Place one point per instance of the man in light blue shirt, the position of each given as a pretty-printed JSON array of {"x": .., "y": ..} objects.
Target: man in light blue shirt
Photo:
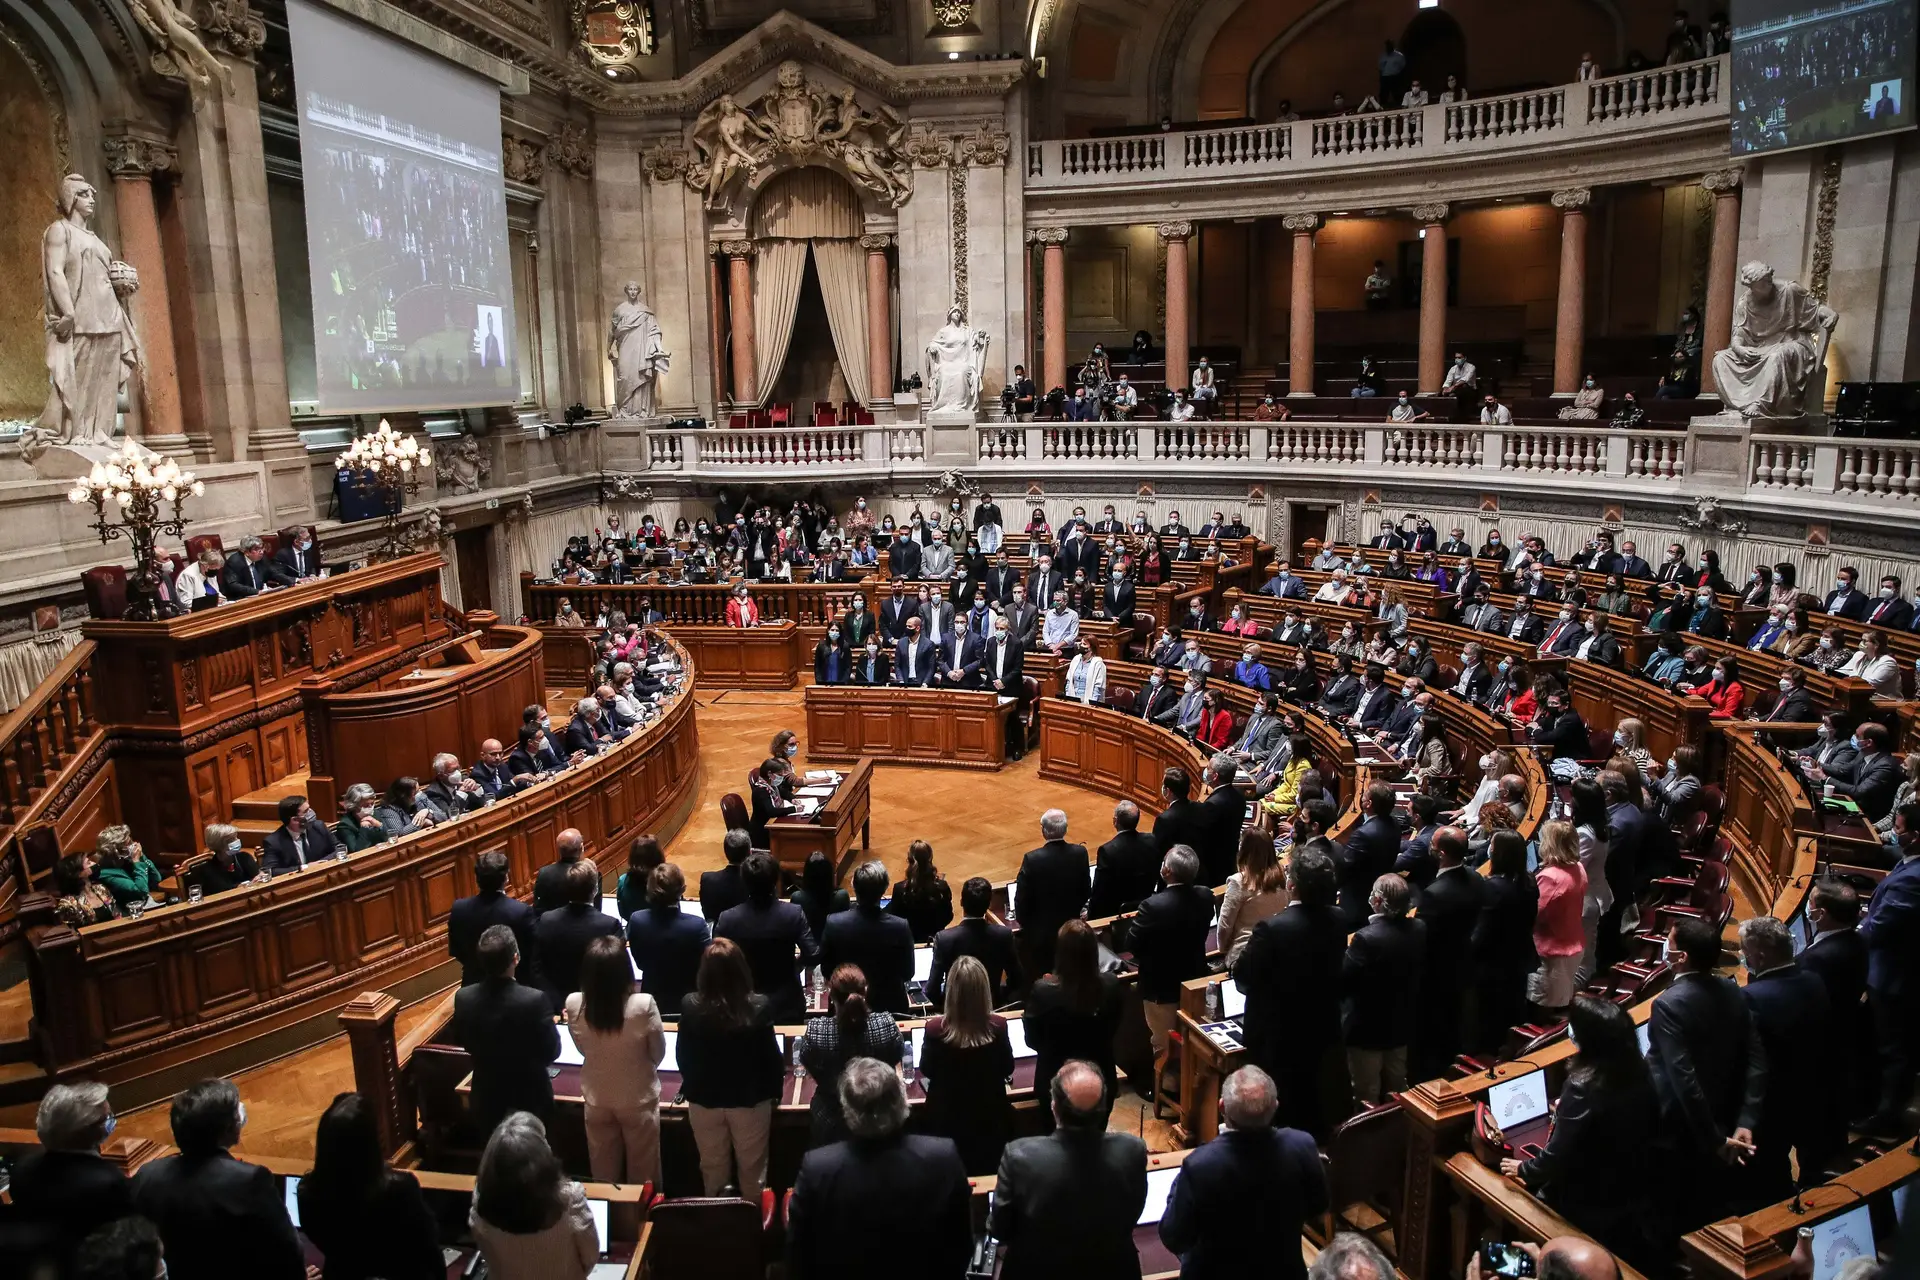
[{"x": 1062, "y": 625}]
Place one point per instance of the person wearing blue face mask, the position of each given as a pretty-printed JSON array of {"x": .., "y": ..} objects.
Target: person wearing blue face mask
[
  {"x": 66, "y": 1185},
  {"x": 228, "y": 866},
  {"x": 1871, "y": 779}
]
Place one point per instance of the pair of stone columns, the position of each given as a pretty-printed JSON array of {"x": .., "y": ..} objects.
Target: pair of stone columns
[
  {"x": 739, "y": 293},
  {"x": 1053, "y": 301}
]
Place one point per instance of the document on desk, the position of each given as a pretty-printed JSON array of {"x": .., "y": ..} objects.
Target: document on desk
[
  {"x": 814, "y": 792},
  {"x": 828, "y": 776}
]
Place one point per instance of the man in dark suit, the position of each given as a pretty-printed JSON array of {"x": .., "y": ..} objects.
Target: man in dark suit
[
  {"x": 1002, "y": 578},
  {"x": 862, "y": 1207},
  {"x": 1561, "y": 728},
  {"x": 1525, "y": 625},
  {"x": 1629, "y": 855},
  {"x": 1155, "y": 696},
  {"x": 724, "y": 889},
  {"x": 1709, "y": 1072},
  {"x": 915, "y": 660},
  {"x": 301, "y": 840},
  {"x": 1126, "y": 867},
  {"x": 508, "y": 1031},
  {"x": 1342, "y": 692},
  {"x": 1891, "y": 610},
  {"x": 1674, "y": 569},
  {"x": 903, "y": 556},
  {"x": 1223, "y": 813},
  {"x": 1023, "y": 619},
  {"x": 1502, "y": 944},
  {"x": 1891, "y": 931},
  {"x": 1239, "y": 1203},
  {"x": 492, "y": 773},
  {"x": 1117, "y": 598},
  {"x": 1872, "y": 779},
  {"x": 774, "y": 937},
  {"x": 535, "y": 757},
  {"x": 451, "y": 793},
  {"x": 561, "y": 936},
  {"x": 1846, "y": 600},
  {"x": 867, "y": 935},
  {"x": 1066, "y": 1204},
  {"x": 1475, "y": 677},
  {"x": 586, "y": 731},
  {"x": 1052, "y": 888},
  {"x": 1793, "y": 705},
  {"x": 961, "y": 655},
  {"x": 298, "y": 559},
  {"x": 1790, "y": 1010},
  {"x": 1381, "y": 981},
  {"x": 471, "y": 917},
  {"x": 895, "y": 610},
  {"x": 550, "y": 881},
  {"x": 217, "y": 1216},
  {"x": 1290, "y": 975},
  {"x": 1837, "y": 955},
  {"x": 1077, "y": 553},
  {"x": 248, "y": 572},
  {"x": 1044, "y": 581},
  {"x": 1451, "y": 907},
  {"x": 1376, "y": 701},
  {"x": 989, "y": 943},
  {"x": 1181, "y": 821},
  {"x": 65, "y": 1189},
  {"x": 1369, "y": 854},
  {"x": 1169, "y": 942}
]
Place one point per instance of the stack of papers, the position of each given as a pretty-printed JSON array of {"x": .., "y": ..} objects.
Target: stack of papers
[
  {"x": 822, "y": 775},
  {"x": 816, "y": 792}
]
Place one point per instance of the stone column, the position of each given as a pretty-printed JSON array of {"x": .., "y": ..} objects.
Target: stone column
[
  {"x": 717, "y": 334},
  {"x": 1053, "y": 305},
  {"x": 879, "y": 325},
  {"x": 740, "y": 312},
  {"x": 1722, "y": 269},
  {"x": 133, "y": 162},
  {"x": 1176, "y": 235},
  {"x": 1300, "y": 322},
  {"x": 1433, "y": 296},
  {"x": 1570, "y": 317}
]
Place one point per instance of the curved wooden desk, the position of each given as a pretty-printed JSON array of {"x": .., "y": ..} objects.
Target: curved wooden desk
[
  {"x": 209, "y": 987},
  {"x": 959, "y": 728}
]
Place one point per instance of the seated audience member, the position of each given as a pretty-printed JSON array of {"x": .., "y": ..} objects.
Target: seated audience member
[
  {"x": 851, "y": 1029},
  {"x": 367, "y": 1218},
  {"x": 66, "y": 1189},
  {"x": 1239, "y": 1202},
  {"x": 358, "y": 828},
  {"x": 666, "y": 943},
  {"x": 507, "y": 1029},
  {"x": 979, "y": 938},
  {"x": 201, "y": 578},
  {"x": 1870, "y": 779},
  {"x": 621, "y": 1041},
  {"x": 229, "y": 865},
  {"x": 80, "y": 899},
  {"x": 724, "y": 888},
  {"x": 248, "y": 572},
  {"x": 301, "y": 840},
  {"x": 922, "y": 897},
  {"x": 472, "y": 917},
  {"x": 870, "y": 939},
  {"x": 451, "y": 793},
  {"x": 217, "y": 1216},
  {"x": 400, "y": 811},
  {"x": 1592, "y": 1171},
  {"x": 1067, "y": 1203},
  {"x": 1381, "y": 978},
  {"x": 530, "y": 1220},
  {"x": 122, "y": 867},
  {"x": 966, "y": 1062},
  {"x": 773, "y": 936},
  {"x": 731, "y": 1071},
  {"x": 561, "y": 935}
]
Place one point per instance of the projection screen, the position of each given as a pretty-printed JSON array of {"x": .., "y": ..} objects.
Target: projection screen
[
  {"x": 406, "y": 222},
  {"x": 1807, "y": 73}
]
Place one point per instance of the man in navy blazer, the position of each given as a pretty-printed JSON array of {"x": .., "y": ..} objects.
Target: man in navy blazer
[
  {"x": 1846, "y": 600},
  {"x": 471, "y": 917},
  {"x": 960, "y": 657},
  {"x": 1892, "y": 934},
  {"x": 1239, "y": 1202},
  {"x": 915, "y": 660},
  {"x": 896, "y": 609},
  {"x": 975, "y": 935},
  {"x": 1837, "y": 955},
  {"x": 562, "y": 935},
  {"x": 770, "y": 933},
  {"x": 665, "y": 942},
  {"x": 1790, "y": 1009},
  {"x": 880, "y": 943},
  {"x": 1369, "y": 854},
  {"x": 1376, "y": 701}
]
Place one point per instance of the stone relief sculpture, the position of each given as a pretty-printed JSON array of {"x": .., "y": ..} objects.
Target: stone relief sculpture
[
  {"x": 953, "y": 363},
  {"x": 91, "y": 346},
  {"x": 468, "y": 466},
  {"x": 800, "y": 120},
  {"x": 178, "y": 36},
  {"x": 638, "y": 353},
  {"x": 1779, "y": 340}
]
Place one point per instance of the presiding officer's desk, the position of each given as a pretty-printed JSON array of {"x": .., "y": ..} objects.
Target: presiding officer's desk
[
  {"x": 935, "y": 726},
  {"x": 832, "y": 828},
  {"x": 197, "y": 989}
]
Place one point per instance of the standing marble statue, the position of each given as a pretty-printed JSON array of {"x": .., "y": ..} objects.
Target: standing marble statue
[
  {"x": 1779, "y": 341},
  {"x": 91, "y": 347},
  {"x": 954, "y": 361},
  {"x": 639, "y": 356}
]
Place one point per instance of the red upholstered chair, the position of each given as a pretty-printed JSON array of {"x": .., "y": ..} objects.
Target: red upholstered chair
[
  {"x": 105, "y": 587},
  {"x": 733, "y": 811},
  {"x": 863, "y": 418},
  {"x": 826, "y": 407},
  {"x": 270, "y": 542},
  {"x": 782, "y": 415},
  {"x": 737, "y": 421},
  {"x": 824, "y": 418},
  {"x": 202, "y": 540},
  {"x": 702, "y": 1238}
]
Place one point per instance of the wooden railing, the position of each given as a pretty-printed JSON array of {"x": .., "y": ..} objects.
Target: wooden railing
[{"x": 47, "y": 743}]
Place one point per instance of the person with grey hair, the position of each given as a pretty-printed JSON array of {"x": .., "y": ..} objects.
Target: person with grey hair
[
  {"x": 1798, "y": 1032},
  {"x": 358, "y": 829},
  {"x": 451, "y": 793},
  {"x": 66, "y": 1187},
  {"x": 871, "y": 939},
  {"x": 1052, "y": 888},
  {"x": 530, "y": 1220},
  {"x": 1066, "y": 1204},
  {"x": 1238, "y": 1203},
  {"x": 1125, "y": 867},
  {"x": 218, "y": 1216},
  {"x": 1169, "y": 944},
  {"x": 1351, "y": 1256},
  {"x": 248, "y": 571},
  {"x": 228, "y": 865},
  {"x": 1380, "y": 976},
  {"x": 883, "y": 1198},
  {"x": 1222, "y": 815}
]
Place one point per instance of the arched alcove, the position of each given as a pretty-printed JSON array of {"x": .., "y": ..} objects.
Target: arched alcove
[
  {"x": 809, "y": 289},
  {"x": 1436, "y": 48}
]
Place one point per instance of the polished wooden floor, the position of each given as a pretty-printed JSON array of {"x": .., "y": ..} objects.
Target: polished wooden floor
[{"x": 978, "y": 824}]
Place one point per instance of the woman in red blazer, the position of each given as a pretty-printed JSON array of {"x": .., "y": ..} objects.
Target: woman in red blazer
[
  {"x": 1724, "y": 693},
  {"x": 741, "y": 610},
  {"x": 1216, "y": 722}
]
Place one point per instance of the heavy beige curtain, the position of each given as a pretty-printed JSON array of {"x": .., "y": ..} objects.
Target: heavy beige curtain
[
  {"x": 25, "y": 664},
  {"x": 843, "y": 287},
  {"x": 807, "y": 204},
  {"x": 777, "y": 274}
]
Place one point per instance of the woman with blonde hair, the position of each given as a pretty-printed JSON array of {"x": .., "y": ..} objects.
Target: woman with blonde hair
[
  {"x": 1559, "y": 936},
  {"x": 966, "y": 1062},
  {"x": 1393, "y": 611},
  {"x": 1629, "y": 740},
  {"x": 1254, "y": 892}
]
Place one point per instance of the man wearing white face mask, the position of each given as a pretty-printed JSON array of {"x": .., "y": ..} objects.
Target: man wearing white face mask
[
  {"x": 1117, "y": 597},
  {"x": 1563, "y": 637},
  {"x": 452, "y": 792}
]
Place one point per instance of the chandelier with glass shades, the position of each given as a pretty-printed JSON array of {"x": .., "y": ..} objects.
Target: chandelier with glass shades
[
  {"x": 390, "y": 466},
  {"x": 140, "y": 488}
]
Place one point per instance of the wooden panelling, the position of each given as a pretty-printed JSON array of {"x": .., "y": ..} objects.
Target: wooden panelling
[
  {"x": 955, "y": 727},
  {"x": 764, "y": 657}
]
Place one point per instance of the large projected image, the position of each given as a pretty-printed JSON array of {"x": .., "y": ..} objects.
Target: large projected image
[
  {"x": 1807, "y": 74},
  {"x": 406, "y": 222}
]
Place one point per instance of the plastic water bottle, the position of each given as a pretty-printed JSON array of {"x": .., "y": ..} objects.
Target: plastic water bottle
[
  {"x": 906, "y": 1058},
  {"x": 1216, "y": 1002}
]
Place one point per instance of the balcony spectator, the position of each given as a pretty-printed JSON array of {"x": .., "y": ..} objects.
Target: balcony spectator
[
  {"x": 1415, "y": 96},
  {"x": 1454, "y": 92},
  {"x": 1393, "y": 70},
  {"x": 1588, "y": 68},
  {"x": 1284, "y": 113},
  {"x": 1404, "y": 411},
  {"x": 1369, "y": 382},
  {"x": 1586, "y": 403}
]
